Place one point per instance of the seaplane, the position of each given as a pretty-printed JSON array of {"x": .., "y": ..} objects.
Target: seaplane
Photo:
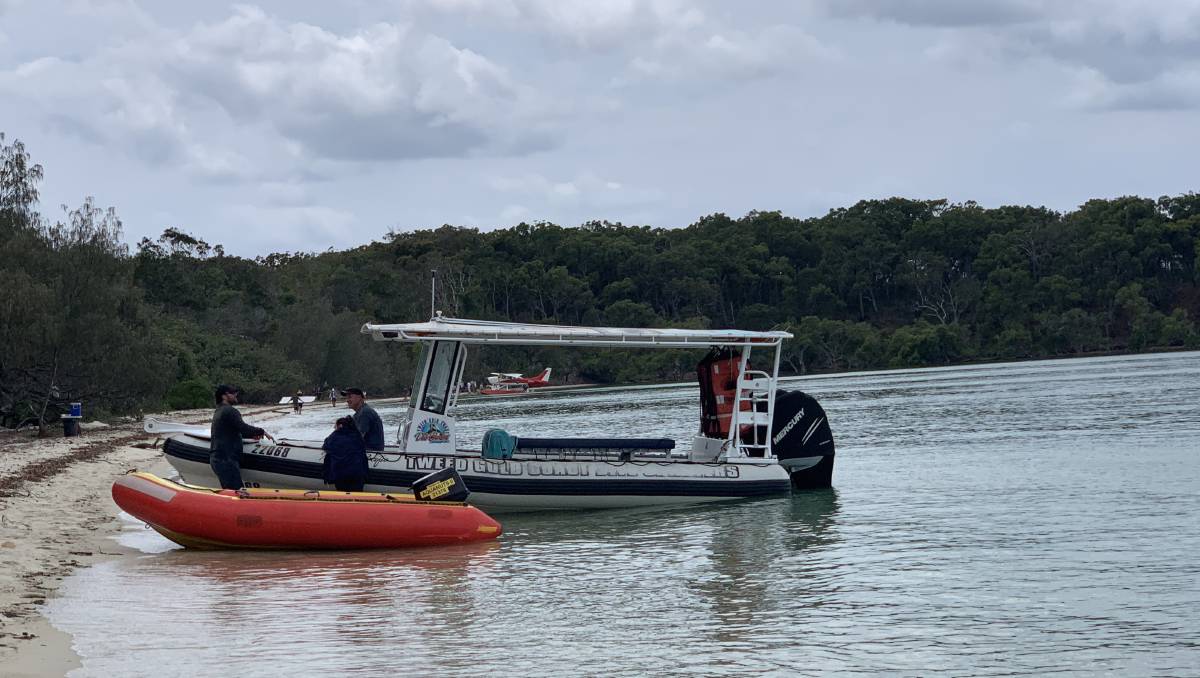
[
  {"x": 513, "y": 383},
  {"x": 538, "y": 381},
  {"x": 753, "y": 439}
]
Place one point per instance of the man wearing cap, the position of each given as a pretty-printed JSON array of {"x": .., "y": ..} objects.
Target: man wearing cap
[
  {"x": 365, "y": 418},
  {"x": 225, "y": 438}
]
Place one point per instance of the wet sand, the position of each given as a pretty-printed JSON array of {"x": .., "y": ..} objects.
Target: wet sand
[{"x": 57, "y": 514}]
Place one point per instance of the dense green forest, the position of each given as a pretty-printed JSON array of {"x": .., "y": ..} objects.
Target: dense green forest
[{"x": 883, "y": 283}]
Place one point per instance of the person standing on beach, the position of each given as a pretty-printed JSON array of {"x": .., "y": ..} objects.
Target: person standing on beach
[
  {"x": 365, "y": 418},
  {"x": 225, "y": 438}
]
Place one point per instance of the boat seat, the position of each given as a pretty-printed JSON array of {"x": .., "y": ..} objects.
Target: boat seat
[
  {"x": 524, "y": 443},
  {"x": 592, "y": 449}
]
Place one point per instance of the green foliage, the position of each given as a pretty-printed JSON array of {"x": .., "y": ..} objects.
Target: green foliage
[
  {"x": 923, "y": 343},
  {"x": 189, "y": 394},
  {"x": 881, "y": 283}
]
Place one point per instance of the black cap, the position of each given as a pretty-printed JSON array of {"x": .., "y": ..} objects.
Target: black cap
[
  {"x": 222, "y": 390},
  {"x": 353, "y": 391}
]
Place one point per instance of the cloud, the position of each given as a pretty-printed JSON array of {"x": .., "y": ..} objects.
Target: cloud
[
  {"x": 1170, "y": 91},
  {"x": 1142, "y": 54},
  {"x": 727, "y": 54},
  {"x": 658, "y": 39},
  {"x": 386, "y": 92},
  {"x": 90, "y": 100},
  {"x": 512, "y": 213},
  {"x": 236, "y": 98},
  {"x": 586, "y": 189},
  {"x": 944, "y": 13},
  {"x": 293, "y": 228},
  {"x": 599, "y": 25}
]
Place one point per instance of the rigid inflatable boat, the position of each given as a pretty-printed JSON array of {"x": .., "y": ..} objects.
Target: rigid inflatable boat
[
  {"x": 754, "y": 439},
  {"x": 198, "y": 517}
]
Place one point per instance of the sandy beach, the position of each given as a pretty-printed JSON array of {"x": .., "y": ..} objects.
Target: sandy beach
[{"x": 56, "y": 515}]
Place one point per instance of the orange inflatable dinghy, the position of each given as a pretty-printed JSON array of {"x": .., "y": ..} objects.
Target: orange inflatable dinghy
[{"x": 198, "y": 517}]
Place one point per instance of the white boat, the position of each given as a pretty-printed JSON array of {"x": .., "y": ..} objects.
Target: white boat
[{"x": 753, "y": 440}]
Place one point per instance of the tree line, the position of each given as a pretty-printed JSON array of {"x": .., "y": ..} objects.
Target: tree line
[{"x": 882, "y": 283}]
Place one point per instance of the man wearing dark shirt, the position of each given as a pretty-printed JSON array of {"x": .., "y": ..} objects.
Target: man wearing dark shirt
[
  {"x": 365, "y": 418},
  {"x": 225, "y": 438}
]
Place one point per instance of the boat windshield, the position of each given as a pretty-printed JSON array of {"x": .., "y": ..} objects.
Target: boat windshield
[
  {"x": 441, "y": 369},
  {"x": 422, "y": 364}
]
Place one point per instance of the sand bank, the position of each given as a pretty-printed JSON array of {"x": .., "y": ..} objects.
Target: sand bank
[{"x": 57, "y": 514}]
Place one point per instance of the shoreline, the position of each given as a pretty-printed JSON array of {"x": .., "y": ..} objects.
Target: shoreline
[{"x": 58, "y": 516}]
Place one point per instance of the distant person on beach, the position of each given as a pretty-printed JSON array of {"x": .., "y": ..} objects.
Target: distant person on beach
[
  {"x": 225, "y": 438},
  {"x": 332, "y": 397},
  {"x": 345, "y": 464},
  {"x": 297, "y": 402},
  {"x": 366, "y": 418}
]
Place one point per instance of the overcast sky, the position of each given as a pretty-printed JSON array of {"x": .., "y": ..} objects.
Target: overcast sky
[{"x": 300, "y": 125}]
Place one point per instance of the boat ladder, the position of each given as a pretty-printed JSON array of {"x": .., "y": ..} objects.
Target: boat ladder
[{"x": 754, "y": 387}]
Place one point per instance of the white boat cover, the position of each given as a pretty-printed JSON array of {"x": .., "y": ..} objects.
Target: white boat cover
[{"x": 492, "y": 332}]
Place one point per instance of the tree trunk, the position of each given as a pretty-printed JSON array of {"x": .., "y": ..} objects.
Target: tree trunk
[{"x": 42, "y": 433}]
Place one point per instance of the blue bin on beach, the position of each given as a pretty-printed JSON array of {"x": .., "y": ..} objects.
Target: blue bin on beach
[{"x": 71, "y": 420}]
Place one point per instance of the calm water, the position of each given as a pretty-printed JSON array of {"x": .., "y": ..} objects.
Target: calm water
[{"x": 1028, "y": 518}]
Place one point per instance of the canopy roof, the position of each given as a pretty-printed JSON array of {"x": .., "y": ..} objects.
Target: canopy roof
[{"x": 491, "y": 332}]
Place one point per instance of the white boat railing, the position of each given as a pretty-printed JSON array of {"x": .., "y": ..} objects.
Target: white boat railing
[{"x": 754, "y": 390}]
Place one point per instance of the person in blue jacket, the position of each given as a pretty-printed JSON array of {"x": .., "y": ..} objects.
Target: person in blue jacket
[{"x": 345, "y": 464}]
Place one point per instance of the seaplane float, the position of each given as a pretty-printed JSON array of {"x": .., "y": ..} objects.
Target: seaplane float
[{"x": 754, "y": 439}]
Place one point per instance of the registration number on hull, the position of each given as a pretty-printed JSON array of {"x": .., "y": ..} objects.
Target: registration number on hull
[{"x": 272, "y": 451}]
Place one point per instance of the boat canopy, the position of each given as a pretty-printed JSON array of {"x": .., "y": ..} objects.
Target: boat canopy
[{"x": 492, "y": 332}]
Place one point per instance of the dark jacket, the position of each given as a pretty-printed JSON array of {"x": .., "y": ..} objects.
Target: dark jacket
[
  {"x": 345, "y": 455},
  {"x": 370, "y": 426},
  {"x": 227, "y": 432}
]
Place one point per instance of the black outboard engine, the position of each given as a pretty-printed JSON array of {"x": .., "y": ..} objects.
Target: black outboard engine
[{"x": 802, "y": 440}]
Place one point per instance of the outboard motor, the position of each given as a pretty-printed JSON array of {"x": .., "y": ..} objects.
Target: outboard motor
[{"x": 802, "y": 440}]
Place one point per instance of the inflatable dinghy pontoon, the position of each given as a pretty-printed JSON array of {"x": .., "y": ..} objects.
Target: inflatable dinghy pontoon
[{"x": 198, "y": 517}]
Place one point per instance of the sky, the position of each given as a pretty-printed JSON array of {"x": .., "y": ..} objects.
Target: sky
[{"x": 301, "y": 126}]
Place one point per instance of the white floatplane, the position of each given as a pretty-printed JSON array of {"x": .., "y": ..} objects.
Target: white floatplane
[
  {"x": 754, "y": 439},
  {"x": 541, "y": 379}
]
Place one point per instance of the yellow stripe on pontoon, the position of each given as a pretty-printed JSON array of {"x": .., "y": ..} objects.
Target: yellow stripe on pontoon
[{"x": 296, "y": 495}]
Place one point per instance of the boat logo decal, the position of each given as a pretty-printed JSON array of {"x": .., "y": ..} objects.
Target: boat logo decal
[
  {"x": 788, "y": 427},
  {"x": 435, "y": 463},
  {"x": 433, "y": 430}
]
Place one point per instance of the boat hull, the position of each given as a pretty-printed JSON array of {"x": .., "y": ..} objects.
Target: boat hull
[
  {"x": 198, "y": 517},
  {"x": 502, "y": 485}
]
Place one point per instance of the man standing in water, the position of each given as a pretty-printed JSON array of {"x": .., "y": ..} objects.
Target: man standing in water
[
  {"x": 225, "y": 438},
  {"x": 365, "y": 418}
]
